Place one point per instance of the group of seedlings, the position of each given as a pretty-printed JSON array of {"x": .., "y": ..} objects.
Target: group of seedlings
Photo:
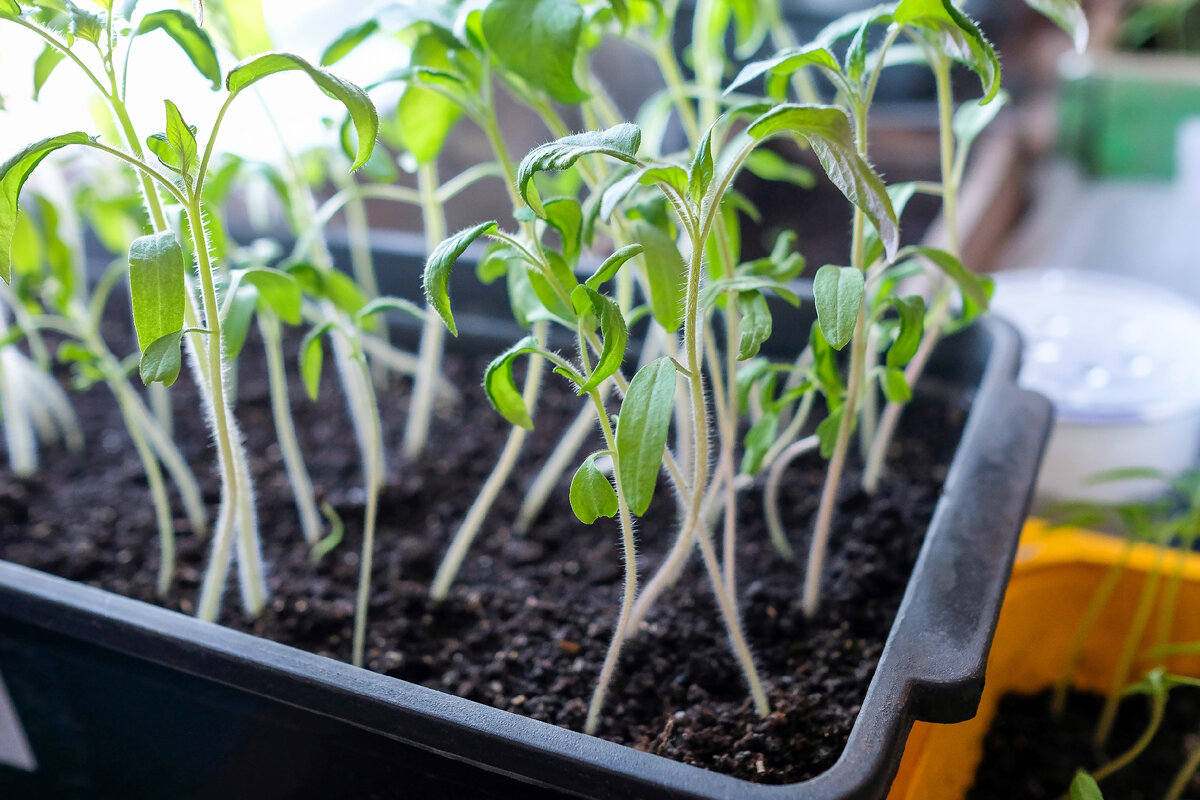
[{"x": 627, "y": 236}]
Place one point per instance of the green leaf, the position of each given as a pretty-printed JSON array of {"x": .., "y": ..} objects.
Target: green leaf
[
  {"x": 437, "y": 270},
  {"x": 356, "y": 101},
  {"x": 382, "y": 305},
  {"x": 972, "y": 286},
  {"x": 190, "y": 37},
  {"x": 620, "y": 142},
  {"x": 592, "y": 493},
  {"x": 825, "y": 369},
  {"x": 237, "y": 314},
  {"x": 13, "y": 174},
  {"x": 963, "y": 40},
  {"x": 162, "y": 360},
  {"x": 565, "y": 216},
  {"x": 755, "y": 327},
  {"x": 1084, "y": 787},
  {"x": 278, "y": 291},
  {"x": 830, "y": 134},
  {"x": 770, "y": 166},
  {"x": 612, "y": 265},
  {"x": 912, "y": 329},
  {"x": 700, "y": 173},
  {"x": 501, "y": 387},
  {"x": 9, "y": 8},
  {"x": 642, "y": 428},
  {"x": 759, "y": 439},
  {"x": 241, "y": 24},
  {"x": 827, "y": 431},
  {"x": 538, "y": 40},
  {"x": 785, "y": 62},
  {"x": 670, "y": 174},
  {"x": 745, "y": 283},
  {"x": 182, "y": 142},
  {"x": 84, "y": 24},
  {"x": 895, "y": 386},
  {"x": 1068, "y": 15},
  {"x": 612, "y": 331},
  {"x": 838, "y": 295},
  {"x": 425, "y": 116},
  {"x": 344, "y": 44},
  {"x": 46, "y": 62},
  {"x": 157, "y": 286},
  {"x": 312, "y": 357},
  {"x": 972, "y": 118},
  {"x": 663, "y": 272}
]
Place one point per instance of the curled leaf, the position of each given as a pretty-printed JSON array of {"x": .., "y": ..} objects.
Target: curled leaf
[
  {"x": 620, "y": 142},
  {"x": 437, "y": 270},
  {"x": 592, "y": 493}
]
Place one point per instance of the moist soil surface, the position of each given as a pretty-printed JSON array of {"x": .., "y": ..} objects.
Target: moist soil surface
[
  {"x": 530, "y": 617},
  {"x": 1029, "y": 754}
]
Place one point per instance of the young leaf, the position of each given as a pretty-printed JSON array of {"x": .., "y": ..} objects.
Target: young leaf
[
  {"x": 501, "y": 387},
  {"x": 755, "y": 325},
  {"x": 825, "y": 369},
  {"x": 538, "y": 41},
  {"x": 84, "y": 24},
  {"x": 565, "y": 216},
  {"x": 182, "y": 142},
  {"x": 700, "y": 173},
  {"x": 827, "y": 431},
  {"x": 1068, "y": 15},
  {"x": 828, "y": 131},
  {"x": 612, "y": 264},
  {"x": 9, "y": 8},
  {"x": 157, "y": 286},
  {"x": 193, "y": 39},
  {"x": 312, "y": 357},
  {"x": 13, "y": 174},
  {"x": 437, "y": 270},
  {"x": 382, "y": 305},
  {"x": 838, "y": 295},
  {"x": 1084, "y": 787},
  {"x": 424, "y": 116},
  {"x": 642, "y": 429},
  {"x": 759, "y": 439},
  {"x": 620, "y": 142},
  {"x": 592, "y": 493},
  {"x": 237, "y": 314},
  {"x": 745, "y": 283},
  {"x": 344, "y": 44},
  {"x": 785, "y": 63},
  {"x": 612, "y": 331},
  {"x": 161, "y": 360},
  {"x": 770, "y": 166},
  {"x": 46, "y": 62},
  {"x": 965, "y": 42},
  {"x": 971, "y": 285},
  {"x": 357, "y": 102},
  {"x": 971, "y": 119},
  {"x": 664, "y": 273}
]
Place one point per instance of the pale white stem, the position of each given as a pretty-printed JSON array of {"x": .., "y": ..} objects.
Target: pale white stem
[{"x": 771, "y": 493}]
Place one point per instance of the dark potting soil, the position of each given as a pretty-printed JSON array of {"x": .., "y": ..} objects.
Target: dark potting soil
[
  {"x": 530, "y": 617},
  {"x": 1029, "y": 754}
]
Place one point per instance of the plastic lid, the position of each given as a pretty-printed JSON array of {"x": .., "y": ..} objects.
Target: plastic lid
[{"x": 1105, "y": 349}]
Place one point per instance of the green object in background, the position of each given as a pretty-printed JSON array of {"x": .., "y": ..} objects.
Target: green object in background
[{"x": 1118, "y": 114}]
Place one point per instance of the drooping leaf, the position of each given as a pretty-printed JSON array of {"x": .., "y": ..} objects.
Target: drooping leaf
[
  {"x": 50, "y": 58},
  {"x": 356, "y": 101},
  {"x": 278, "y": 291},
  {"x": 501, "y": 387},
  {"x": 912, "y": 328},
  {"x": 755, "y": 327},
  {"x": 972, "y": 286},
  {"x": 538, "y": 41},
  {"x": 157, "y": 286},
  {"x": 162, "y": 360},
  {"x": 13, "y": 174},
  {"x": 961, "y": 36},
  {"x": 1068, "y": 15},
  {"x": 663, "y": 273},
  {"x": 238, "y": 313},
  {"x": 972, "y": 118},
  {"x": 759, "y": 439},
  {"x": 620, "y": 142},
  {"x": 831, "y": 136},
  {"x": 344, "y": 44},
  {"x": 642, "y": 429},
  {"x": 383, "y": 305},
  {"x": 784, "y": 63},
  {"x": 745, "y": 283},
  {"x": 312, "y": 357},
  {"x": 895, "y": 386},
  {"x": 613, "y": 333},
  {"x": 436, "y": 278},
  {"x": 425, "y": 116},
  {"x": 838, "y": 295},
  {"x": 770, "y": 166},
  {"x": 612, "y": 265},
  {"x": 191, "y": 38},
  {"x": 592, "y": 493}
]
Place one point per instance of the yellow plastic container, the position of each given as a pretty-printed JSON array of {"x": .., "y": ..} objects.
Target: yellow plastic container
[{"x": 1055, "y": 575}]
